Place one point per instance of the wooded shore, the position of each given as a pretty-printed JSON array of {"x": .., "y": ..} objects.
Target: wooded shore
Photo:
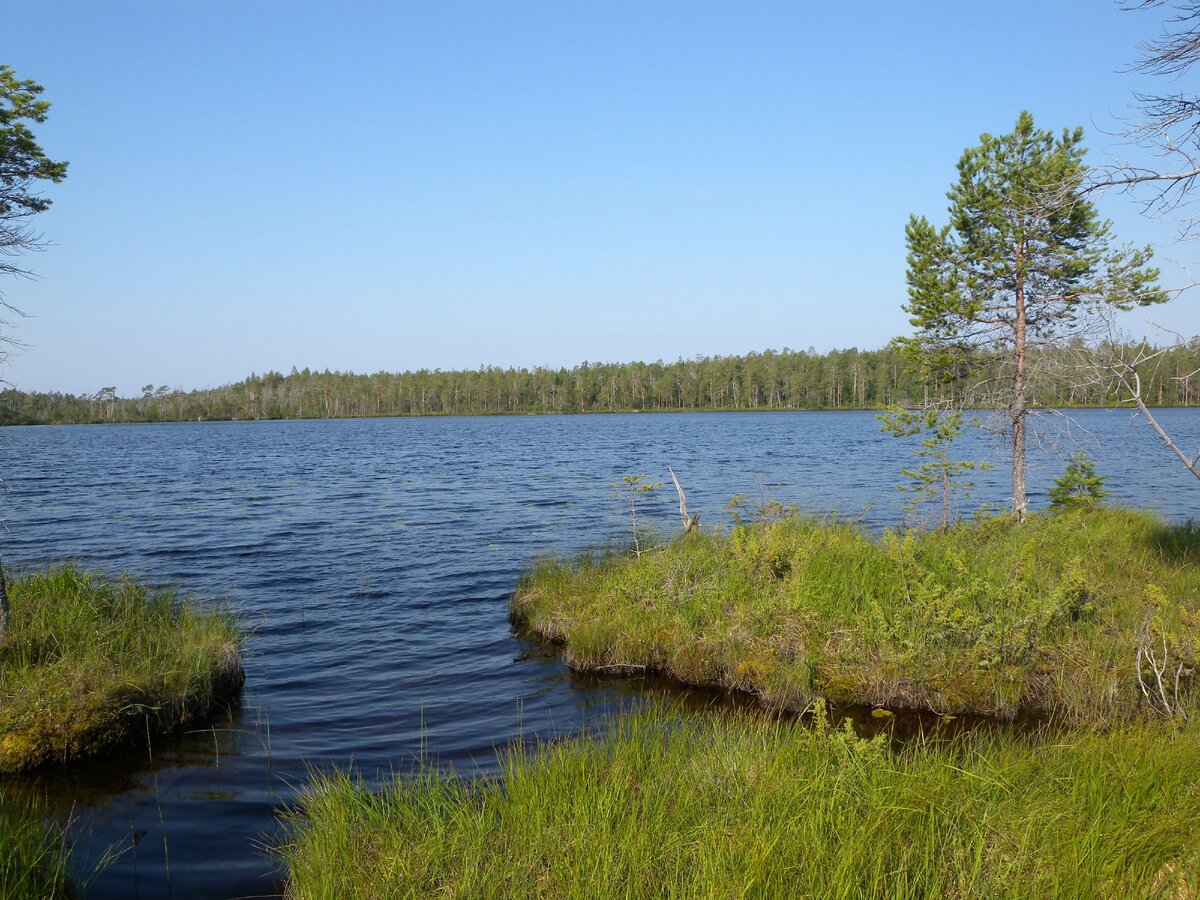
[{"x": 784, "y": 380}]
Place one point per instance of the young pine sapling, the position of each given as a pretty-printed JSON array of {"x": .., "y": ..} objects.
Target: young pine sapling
[
  {"x": 938, "y": 477},
  {"x": 1079, "y": 486},
  {"x": 632, "y": 489}
]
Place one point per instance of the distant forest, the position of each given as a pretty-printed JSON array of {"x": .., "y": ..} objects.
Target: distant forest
[{"x": 785, "y": 380}]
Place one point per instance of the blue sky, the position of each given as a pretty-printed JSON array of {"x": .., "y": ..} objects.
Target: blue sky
[{"x": 366, "y": 186}]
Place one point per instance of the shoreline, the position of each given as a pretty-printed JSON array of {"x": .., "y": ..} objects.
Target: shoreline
[
  {"x": 566, "y": 414},
  {"x": 94, "y": 666}
]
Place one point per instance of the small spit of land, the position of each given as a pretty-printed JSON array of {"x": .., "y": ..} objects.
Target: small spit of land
[
  {"x": 1082, "y": 616},
  {"x": 1085, "y": 620},
  {"x": 91, "y": 665}
]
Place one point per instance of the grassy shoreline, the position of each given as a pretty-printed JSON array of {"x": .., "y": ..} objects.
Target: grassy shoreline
[
  {"x": 1052, "y": 617},
  {"x": 664, "y": 804},
  {"x": 90, "y": 666},
  {"x": 987, "y": 618}
]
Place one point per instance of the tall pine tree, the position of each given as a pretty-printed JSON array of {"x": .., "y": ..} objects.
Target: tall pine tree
[{"x": 1023, "y": 261}]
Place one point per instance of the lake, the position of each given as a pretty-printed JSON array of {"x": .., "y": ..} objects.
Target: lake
[{"x": 374, "y": 559}]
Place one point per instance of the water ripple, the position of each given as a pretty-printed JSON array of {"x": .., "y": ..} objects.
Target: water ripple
[{"x": 374, "y": 560}]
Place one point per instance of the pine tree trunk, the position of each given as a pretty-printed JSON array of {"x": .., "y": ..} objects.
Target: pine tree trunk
[
  {"x": 945, "y": 498},
  {"x": 1017, "y": 410}
]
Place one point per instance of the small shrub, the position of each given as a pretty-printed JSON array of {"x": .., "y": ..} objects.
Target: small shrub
[{"x": 1079, "y": 485}]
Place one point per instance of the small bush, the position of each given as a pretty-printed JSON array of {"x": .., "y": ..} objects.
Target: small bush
[{"x": 1079, "y": 486}]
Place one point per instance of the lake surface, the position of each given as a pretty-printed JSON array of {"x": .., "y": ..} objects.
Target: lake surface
[{"x": 374, "y": 560}]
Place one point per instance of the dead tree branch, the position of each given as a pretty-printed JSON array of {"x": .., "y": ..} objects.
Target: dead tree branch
[
  {"x": 691, "y": 524},
  {"x": 1154, "y": 672}
]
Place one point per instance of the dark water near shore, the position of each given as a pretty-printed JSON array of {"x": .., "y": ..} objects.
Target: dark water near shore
[{"x": 375, "y": 558}]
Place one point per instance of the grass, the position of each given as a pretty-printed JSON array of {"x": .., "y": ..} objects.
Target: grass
[
  {"x": 1051, "y": 618},
  {"x": 731, "y": 805},
  {"x": 91, "y": 665},
  {"x": 1088, "y": 617},
  {"x": 33, "y": 861}
]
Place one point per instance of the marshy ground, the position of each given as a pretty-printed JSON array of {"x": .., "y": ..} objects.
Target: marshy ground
[
  {"x": 91, "y": 666},
  {"x": 743, "y": 805},
  {"x": 1084, "y": 621},
  {"x": 1076, "y": 616}
]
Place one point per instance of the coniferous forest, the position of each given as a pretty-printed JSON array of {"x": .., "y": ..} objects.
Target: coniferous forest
[{"x": 771, "y": 380}]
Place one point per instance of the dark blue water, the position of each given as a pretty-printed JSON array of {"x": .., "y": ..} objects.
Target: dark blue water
[{"x": 374, "y": 560}]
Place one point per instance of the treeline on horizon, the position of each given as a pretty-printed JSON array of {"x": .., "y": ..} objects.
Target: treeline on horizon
[{"x": 784, "y": 380}]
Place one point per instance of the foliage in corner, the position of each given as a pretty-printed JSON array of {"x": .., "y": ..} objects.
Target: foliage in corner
[{"x": 22, "y": 164}]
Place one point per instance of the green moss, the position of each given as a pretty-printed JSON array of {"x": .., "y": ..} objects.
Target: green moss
[{"x": 89, "y": 665}]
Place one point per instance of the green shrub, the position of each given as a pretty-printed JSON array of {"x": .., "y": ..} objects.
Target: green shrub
[{"x": 1079, "y": 486}]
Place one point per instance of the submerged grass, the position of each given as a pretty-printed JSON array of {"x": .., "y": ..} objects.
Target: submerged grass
[
  {"x": 988, "y": 617},
  {"x": 90, "y": 665},
  {"x": 732, "y": 805}
]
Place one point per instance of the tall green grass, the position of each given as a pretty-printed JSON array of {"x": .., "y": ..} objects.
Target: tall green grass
[
  {"x": 988, "y": 617},
  {"x": 89, "y": 665},
  {"x": 747, "y": 806},
  {"x": 33, "y": 853}
]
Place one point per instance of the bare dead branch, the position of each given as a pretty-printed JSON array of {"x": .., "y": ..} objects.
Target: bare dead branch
[{"x": 691, "y": 524}]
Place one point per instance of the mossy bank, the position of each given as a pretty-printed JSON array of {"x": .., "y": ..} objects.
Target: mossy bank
[
  {"x": 91, "y": 665},
  {"x": 1085, "y": 615}
]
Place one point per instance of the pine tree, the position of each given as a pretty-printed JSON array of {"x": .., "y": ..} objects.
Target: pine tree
[
  {"x": 1024, "y": 262},
  {"x": 938, "y": 477},
  {"x": 1079, "y": 485}
]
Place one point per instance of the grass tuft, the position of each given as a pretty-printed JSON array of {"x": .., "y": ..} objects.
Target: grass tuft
[
  {"x": 90, "y": 665},
  {"x": 33, "y": 852}
]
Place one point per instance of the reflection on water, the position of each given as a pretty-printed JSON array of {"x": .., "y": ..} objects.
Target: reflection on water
[
  {"x": 374, "y": 561},
  {"x": 97, "y": 781},
  {"x": 901, "y": 726}
]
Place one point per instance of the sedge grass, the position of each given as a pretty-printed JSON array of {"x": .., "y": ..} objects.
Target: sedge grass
[
  {"x": 33, "y": 852},
  {"x": 733, "y": 805},
  {"x": 90, "y": 665},
  {"x": 987, "y": 617}
]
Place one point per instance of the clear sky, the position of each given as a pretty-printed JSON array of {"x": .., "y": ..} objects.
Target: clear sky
[{"x": 388, "y": 186}]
